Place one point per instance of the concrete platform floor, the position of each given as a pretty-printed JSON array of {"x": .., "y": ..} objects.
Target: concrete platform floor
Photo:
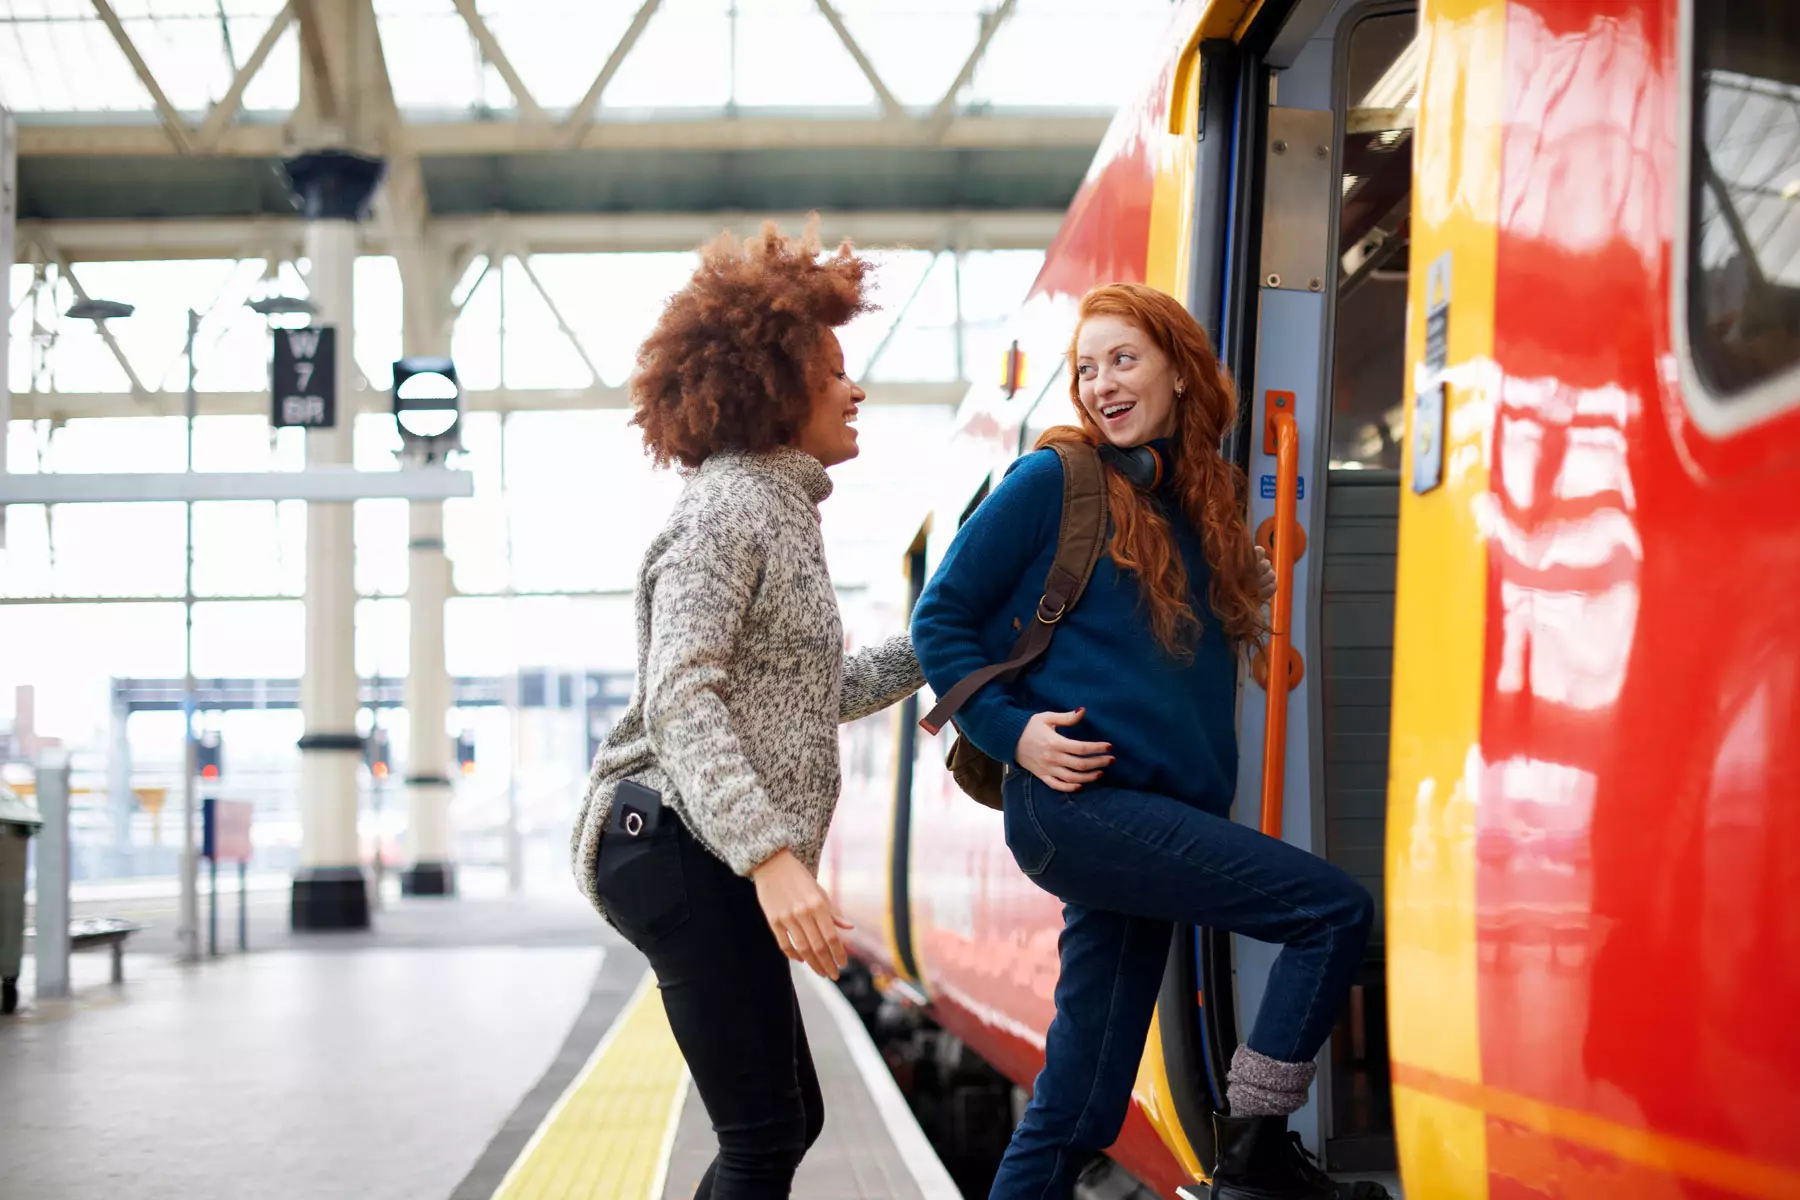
[{"x": 375, "y": 1065}]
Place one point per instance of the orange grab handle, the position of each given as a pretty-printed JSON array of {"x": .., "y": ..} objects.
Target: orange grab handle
[{"x": 1287, "y": 504}]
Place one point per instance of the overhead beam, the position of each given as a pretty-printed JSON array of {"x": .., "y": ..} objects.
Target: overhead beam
[
  {"x": 180, "y": 136},
  {"x": 46, "y": 137},
  {"x": 72, "y": 406},
  {"x": 490, "y": 50},
  {"x": 580, "y": 121},
  {"x": 584, "y": 233},
  {"x": 889, "y": 104},
  {"x": 403, "y": 207},
  {"x": 940, "y": 120},
  {"x": 319, "y": 485},
  {"x": 221, "y": 113},
  {"x": 318, "y": 79},
  {"x": 9, "y": 178}
]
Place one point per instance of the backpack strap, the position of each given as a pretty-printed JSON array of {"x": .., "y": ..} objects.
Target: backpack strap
[{"x": 1080, "y": 539}]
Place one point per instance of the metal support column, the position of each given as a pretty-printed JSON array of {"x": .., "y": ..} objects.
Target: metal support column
[
  {"x": 9, "y": 212},
  {"x": 426, "y": 331},
  {"x": 52, "y": 916},
  {"x": 188, "y": 932},
  {"x": 119, "y": 796},
  {"x": 428, "y": 787},
  {"x": 330, "y": 891}
]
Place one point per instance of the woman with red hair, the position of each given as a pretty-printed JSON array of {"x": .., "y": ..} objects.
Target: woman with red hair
[{"x": 1121, "y": 753}]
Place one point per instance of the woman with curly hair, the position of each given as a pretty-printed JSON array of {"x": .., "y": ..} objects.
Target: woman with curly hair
[
  {"x": 708, "y": 805},
  {"x": 1121, "y": 747}
]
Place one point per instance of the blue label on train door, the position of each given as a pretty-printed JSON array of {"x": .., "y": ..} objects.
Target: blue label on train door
[{"x": 1267, "y": 487}]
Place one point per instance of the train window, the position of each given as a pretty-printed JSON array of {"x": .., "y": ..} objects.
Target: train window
[
  {"x": 1381, "y": 78},
  {"x": 1742, "y": 322},
  {"x": 1051, "y": 408}
]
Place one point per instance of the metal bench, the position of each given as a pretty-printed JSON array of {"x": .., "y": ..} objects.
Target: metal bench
[{"x": 94, "y": 933}]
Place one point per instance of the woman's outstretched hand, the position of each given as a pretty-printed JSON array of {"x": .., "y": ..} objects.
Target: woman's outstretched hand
[
  {"x": 1265, "y": 576},
  {"x": 800, "y": 914},
  {"x": 1062, "y": 764}
]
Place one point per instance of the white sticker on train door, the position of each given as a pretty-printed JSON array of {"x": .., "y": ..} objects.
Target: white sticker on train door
[{"x": 1433, "y": 394}]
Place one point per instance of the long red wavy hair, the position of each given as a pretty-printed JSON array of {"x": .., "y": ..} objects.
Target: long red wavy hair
[{"x": 1210, "y": 490}]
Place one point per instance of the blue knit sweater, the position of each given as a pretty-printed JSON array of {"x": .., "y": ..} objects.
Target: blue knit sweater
[{"x": 1172, "y": 723}]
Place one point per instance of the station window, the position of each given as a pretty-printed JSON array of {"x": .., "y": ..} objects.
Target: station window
[{"x": 1743, "y": 285}]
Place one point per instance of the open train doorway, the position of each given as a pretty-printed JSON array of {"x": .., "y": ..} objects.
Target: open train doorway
[{"x": 1322, "y": 326}]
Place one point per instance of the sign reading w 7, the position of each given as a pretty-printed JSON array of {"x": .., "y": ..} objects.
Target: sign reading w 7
[{"x": 305, "y": 381}]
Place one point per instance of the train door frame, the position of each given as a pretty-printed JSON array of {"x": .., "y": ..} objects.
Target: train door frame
[
  {"x": 1343, "y": 1152},
  {"x": 899, "y": 858}
]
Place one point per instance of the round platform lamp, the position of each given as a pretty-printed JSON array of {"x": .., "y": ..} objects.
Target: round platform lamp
[
  {"x": 283, "y": 306},
  {"x": 99, "y": 310}
]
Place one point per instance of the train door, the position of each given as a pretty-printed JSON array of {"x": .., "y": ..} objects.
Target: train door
[{"x": 1318, "y": 330}]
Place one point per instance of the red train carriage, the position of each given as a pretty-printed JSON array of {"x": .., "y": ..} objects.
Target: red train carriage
[{"x": 1528, "y": 272}]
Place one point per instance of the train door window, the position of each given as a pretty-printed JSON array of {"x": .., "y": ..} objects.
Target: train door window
[
  {"x": 1742, "y": 293},
  {"x": 1381, "y": 75}
]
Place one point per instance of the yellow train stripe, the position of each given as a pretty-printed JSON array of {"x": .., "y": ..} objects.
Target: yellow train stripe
[
  {"x": 1227, "y": 18},
  {"x": 609, "y": 1135},
  {"x": 1441, "y": 603},
  {"x": 1716, "y": 1168}
]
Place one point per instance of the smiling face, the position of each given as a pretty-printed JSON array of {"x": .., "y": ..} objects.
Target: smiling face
[
  {"x": 829, "y": 434},
  {"x": 1126, "y": 383}
]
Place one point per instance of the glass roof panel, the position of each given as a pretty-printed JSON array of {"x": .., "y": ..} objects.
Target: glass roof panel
[
  {"x": 788, "y": 56},
  {"x": 431, "y": 59},
  {"x": 58, "y": 64},
  {"x": 917, "y": 49},
  {"x": 1054, "y": 54},
  {"x": 683, "y": 60},
  {"x": 556, "y": 46},
  {"x": 56, "y": 56},
  {"x": 186, "y": 57},
  {"x": 276, "y": 87}
]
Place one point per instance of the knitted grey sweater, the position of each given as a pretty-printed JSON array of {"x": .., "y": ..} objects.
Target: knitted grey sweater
[{"x": 742, "y": 675}]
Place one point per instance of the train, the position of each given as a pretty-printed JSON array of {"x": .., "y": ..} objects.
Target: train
[{"x": 1527, "y": 275}]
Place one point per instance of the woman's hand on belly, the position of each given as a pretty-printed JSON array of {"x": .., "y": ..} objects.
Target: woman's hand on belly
[{"x": 1063, "y": 764}]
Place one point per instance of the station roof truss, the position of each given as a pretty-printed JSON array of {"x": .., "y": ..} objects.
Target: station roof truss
[{"x": 134, "y": 111}]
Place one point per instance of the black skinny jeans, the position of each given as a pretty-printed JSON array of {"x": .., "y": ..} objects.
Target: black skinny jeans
[{"x": 729, "y": 993}]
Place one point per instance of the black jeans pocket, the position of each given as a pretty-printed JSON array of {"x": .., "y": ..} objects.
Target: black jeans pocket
[
  {"x": 1025, "y": 837},
  {"x": 642, "y": 883}
]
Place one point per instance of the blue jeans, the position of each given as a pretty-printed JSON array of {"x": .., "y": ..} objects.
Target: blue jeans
[{"x": 1128, "y": 866}]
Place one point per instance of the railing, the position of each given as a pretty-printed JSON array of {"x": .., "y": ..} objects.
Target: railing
[{"x": 1280, "y": 652}]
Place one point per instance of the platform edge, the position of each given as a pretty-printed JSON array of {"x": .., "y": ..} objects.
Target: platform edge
[{"x": 922, "y": 1163}]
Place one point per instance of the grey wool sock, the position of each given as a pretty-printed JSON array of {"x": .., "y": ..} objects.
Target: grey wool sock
[{"x": 1260, "y": 1086}]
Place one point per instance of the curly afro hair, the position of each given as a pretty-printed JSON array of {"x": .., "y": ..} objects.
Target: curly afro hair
[{"x": 730, "y": 364}]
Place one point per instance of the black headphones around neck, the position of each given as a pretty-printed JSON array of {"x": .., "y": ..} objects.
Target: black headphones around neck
[{"x": 1142, "y": 466}]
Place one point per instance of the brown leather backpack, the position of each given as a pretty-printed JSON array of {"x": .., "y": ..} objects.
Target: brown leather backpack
[{"x": 1080, "y": 539}]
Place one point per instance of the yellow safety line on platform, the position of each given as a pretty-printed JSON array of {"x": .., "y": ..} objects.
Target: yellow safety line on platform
[{"x": 609, "y": 1135}]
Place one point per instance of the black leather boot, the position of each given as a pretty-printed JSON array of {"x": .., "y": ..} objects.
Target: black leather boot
[{"x": 1260, "y": 1160}]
